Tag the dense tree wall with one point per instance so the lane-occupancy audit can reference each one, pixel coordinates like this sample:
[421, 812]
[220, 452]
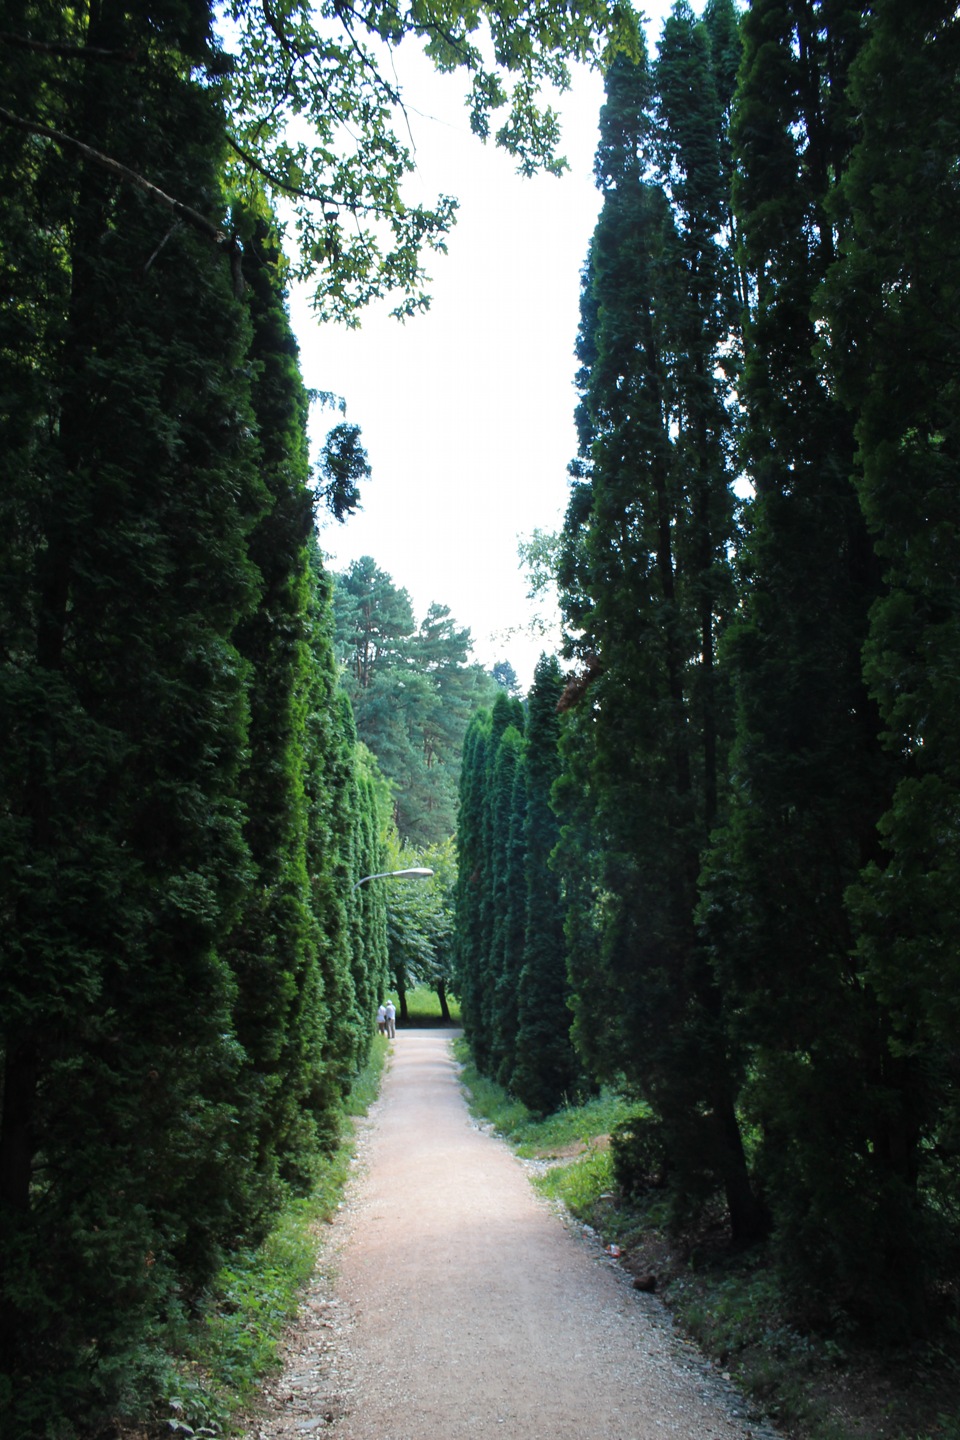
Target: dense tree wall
[182, 804]
[511, 951]
[757, 791]
[188, 974]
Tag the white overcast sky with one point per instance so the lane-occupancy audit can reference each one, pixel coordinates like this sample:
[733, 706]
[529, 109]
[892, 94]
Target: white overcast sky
[467, 411]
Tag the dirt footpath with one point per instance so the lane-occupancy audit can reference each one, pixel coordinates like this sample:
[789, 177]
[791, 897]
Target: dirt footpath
[453, 1302]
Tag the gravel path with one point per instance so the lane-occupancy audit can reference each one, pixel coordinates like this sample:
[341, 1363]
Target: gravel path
[453, 1302]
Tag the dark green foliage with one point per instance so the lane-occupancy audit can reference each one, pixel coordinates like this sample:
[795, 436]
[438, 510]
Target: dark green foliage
[545, 1071]
[511, 948]
[893, 352]
[506, 728]
[348, 803]
[472, 878]
[505, 675]
[512, 928]
[130, 494]
[500, 973]
[279, 1015]
[492, 755]
[342, 465]
[413, 693]
[647, 588]
[812, 779]
[169, 994]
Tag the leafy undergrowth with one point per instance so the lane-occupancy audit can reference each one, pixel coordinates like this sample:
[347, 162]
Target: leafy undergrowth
[811, 1386]
[217, 1363]
[568, 1133]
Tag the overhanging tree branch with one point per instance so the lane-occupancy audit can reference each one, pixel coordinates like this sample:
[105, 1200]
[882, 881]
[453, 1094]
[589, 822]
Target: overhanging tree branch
[123, 172]
[69, 52]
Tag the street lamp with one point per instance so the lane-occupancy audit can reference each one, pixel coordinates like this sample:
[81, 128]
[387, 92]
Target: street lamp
[416, 872]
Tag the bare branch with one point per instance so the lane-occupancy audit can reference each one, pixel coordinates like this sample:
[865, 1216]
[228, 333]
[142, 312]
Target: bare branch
[174, 227]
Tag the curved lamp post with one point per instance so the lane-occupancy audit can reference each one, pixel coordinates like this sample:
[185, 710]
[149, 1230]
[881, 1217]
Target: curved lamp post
[417, 872]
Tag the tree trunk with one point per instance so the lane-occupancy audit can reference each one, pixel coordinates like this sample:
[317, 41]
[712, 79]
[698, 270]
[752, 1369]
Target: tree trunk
[16, 1126]
[749, 1218]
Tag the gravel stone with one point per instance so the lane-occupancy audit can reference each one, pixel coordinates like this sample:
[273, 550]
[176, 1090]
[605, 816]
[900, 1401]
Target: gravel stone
[451, 1302]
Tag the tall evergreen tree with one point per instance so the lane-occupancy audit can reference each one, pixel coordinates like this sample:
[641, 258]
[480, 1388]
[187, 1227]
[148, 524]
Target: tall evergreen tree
[545, 1070]
[513, 929]
[333, 819]
[127, 509]
[507, 873]
[506, 718]
[472, 870]
[280, 1014]
[647, 587]
[811, 778]
[413, 691]
[891, 348]
[492, 753]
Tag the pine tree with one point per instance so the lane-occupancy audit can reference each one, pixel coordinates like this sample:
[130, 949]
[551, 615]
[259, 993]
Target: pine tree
[413, 691]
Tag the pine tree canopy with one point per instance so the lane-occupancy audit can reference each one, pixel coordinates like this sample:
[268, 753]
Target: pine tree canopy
[413, 689]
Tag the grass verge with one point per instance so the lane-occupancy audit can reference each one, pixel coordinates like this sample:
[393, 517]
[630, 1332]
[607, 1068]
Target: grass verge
[812, 1386]
[423, 1007]
[221, 1361]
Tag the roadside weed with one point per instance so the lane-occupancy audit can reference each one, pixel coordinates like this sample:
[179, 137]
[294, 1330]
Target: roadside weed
[218, 1363]
[575, 1125]
[580, 1183]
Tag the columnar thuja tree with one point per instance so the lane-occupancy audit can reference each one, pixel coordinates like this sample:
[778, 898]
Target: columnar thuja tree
[170, 995]
[514, 927]
[892, 350]
[648, 588]
[508, 878]
[279, 1013]
[128, 505]
[471, 871]
[545, 1068]
[491, 758]
[812, 778]
[511, 946]
[506, 729]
